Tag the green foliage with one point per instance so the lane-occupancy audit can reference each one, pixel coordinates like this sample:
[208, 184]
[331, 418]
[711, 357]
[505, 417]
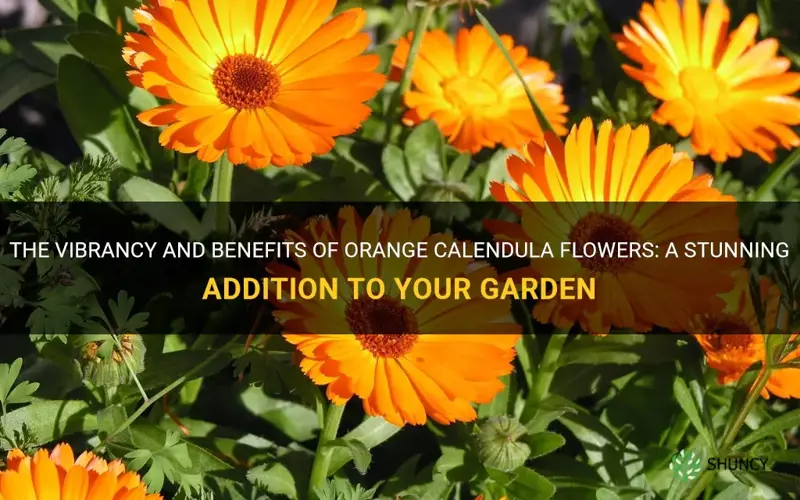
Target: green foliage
[12, 393]
[12, 177]
[165, 462]
[200, 416]
[358, 451]
[163, 206]
[342, 490]
[273, 478]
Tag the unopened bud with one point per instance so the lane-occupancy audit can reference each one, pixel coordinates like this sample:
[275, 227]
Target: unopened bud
[499, 446]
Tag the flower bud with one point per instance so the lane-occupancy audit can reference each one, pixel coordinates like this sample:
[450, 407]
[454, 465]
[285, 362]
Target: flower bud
[499, 446]
[108, 369]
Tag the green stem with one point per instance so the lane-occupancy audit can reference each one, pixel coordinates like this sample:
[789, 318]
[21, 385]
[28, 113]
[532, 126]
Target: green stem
[732, 432]
[405, 80]
[187, 376]
[548, 366]
[222, 196]
[322, 461]
[777, 175]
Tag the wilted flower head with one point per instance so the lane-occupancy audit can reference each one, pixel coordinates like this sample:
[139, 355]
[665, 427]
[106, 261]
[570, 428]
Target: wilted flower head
[104, 364]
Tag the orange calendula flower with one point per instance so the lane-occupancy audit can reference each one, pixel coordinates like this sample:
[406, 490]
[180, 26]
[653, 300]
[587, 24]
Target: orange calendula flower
[471, 92]
[607, 208]
[268, 81]
[726, 91]
[407, 357]
[59, 475]
[733, 341]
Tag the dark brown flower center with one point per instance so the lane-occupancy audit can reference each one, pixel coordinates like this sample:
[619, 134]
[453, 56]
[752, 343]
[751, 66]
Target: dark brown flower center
[385, 327]
[244, 81]
[601, 229]
[728, 332]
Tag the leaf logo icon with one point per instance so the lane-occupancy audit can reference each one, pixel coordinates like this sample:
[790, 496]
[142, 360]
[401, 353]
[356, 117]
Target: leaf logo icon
[686, 466]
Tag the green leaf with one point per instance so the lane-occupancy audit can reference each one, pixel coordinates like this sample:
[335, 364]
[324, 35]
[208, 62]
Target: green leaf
[199, 172]
[295, 420]
[12, 177]
[544, 417]
[736, 491]
[500, 403]
[8, 375]
[458, 169]
[101, 45]
[452, 458]
[404, 476]
[779, 481]
[22, 393]
[340, 489]
[360, 453]
[112, 11]
[18, 79]
[96, 117]
[139, 458]
[89, 23]
[163, 369]
[689, 406]
[163, 206]
[11, 145]
[599, 354]
[273, 478]
[606, 494]
[102, 49]
[524, 483]
[544, 443]
[10, 280]
[53, 315]
[227, 481]
[110, 419]
[67, 8]
[48, 420]
[121, 308]
[372, 432]
[42, 47]
[774, 426]
[167, 461]
[396, 172]
[790, 456]
[764, 10]
[496, 172]
[423, 152]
